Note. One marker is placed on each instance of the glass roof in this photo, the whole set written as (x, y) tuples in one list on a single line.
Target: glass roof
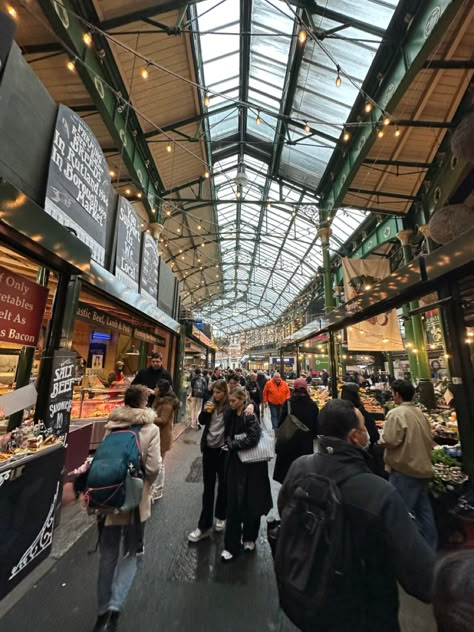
[(269, 253)]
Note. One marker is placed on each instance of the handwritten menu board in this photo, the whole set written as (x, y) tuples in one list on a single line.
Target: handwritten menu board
[(127, 260), (150, 265), (78, 188), (58, 408)]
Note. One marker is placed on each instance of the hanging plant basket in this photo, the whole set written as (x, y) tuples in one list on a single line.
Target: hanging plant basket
[(451, 222), (462, 140)]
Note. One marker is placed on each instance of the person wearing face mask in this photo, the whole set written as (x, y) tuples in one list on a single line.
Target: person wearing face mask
[(386, 547)]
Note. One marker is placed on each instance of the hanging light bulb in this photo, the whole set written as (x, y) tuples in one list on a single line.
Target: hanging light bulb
[(338, 78), (302, 36), (71, 66), (139, 195), (128, 192), (258, 120), (207, 100), (144, 72), (368, 106), (206, 174), (397, 132), (112, 173), (307, 128), (169, 148), (380, 133), (387, 120), (346, 136), (87, 39), (12, 12)]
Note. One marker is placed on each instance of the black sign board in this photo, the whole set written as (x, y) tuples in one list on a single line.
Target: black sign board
[(58, 408), (127, 259), (78, 189), (150, 265), (7, 29), (152, 338), (98, 317)]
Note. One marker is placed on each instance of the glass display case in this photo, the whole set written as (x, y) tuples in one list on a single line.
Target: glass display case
[(96, 403)]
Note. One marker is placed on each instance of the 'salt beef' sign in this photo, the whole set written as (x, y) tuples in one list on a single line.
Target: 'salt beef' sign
[(78, 189), (22, 305), (127, 262), (58, 409)]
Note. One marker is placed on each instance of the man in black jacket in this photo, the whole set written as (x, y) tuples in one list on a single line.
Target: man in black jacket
[(387, 546), (152, 375)]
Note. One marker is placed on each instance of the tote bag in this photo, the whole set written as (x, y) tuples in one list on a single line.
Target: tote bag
[(263, 451), (288, 431)]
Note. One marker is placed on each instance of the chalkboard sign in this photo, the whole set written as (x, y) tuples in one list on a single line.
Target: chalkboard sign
[(58, 408), (150, 265), (78, 189), (127, 260)]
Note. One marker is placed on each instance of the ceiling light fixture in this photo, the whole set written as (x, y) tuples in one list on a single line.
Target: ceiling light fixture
[(346, 136), (206, 174), (12, 12), (112, 173), (387, 120), (241, 178), (338, 78), (71, 66), (169, 148), (207, 100), (87, 39), (368, 107), (397, 132), (380, 133), (307, 128), (302, 36), (144, 72), (258, 120)]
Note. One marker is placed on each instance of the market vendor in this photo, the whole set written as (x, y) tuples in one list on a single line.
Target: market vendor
[(117, 376)]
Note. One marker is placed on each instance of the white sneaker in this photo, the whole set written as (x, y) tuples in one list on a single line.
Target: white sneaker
[(156, 494), (226, 556), (219, 526), (197, 535), (249, 546)]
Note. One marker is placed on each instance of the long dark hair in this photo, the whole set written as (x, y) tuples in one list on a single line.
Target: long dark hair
[(351, 394)]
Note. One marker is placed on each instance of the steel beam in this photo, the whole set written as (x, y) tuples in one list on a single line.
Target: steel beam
[(97, 75), (379, 194), (421, 39), (397, 163), (189, 121), (140, 14), (449, 64), (41, 49)]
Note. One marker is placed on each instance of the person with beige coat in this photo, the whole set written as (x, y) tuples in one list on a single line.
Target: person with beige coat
[(121, 540), (408, 443)]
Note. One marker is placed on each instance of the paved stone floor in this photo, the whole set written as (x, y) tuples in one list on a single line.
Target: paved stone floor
[(180, 587)]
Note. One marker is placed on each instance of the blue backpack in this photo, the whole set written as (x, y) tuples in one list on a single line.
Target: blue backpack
[(115, 478)]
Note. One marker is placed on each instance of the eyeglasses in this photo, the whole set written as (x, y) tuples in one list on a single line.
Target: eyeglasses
[(364, 431)]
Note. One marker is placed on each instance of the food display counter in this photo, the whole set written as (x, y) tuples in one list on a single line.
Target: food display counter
[(93, 405)]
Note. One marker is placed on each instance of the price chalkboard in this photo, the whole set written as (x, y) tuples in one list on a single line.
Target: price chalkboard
[(127, 259), (150, 265), (78, 189), (58, 409)]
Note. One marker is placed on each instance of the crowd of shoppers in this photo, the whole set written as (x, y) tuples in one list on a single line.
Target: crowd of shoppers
[(388, 515)]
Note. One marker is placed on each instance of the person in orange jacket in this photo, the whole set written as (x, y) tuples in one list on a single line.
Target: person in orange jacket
[(275, 394)]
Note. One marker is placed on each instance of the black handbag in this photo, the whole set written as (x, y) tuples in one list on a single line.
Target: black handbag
[(288, 431)]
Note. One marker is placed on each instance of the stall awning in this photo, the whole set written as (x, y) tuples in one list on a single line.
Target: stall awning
[(306, 332), (203, 339)]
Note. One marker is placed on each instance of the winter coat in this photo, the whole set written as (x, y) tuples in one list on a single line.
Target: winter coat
[(262, 380), (150, 377), (254, 392), (248, 484), (276, 394), (165, 408), (124, 417), (304, 409), (385, 540)]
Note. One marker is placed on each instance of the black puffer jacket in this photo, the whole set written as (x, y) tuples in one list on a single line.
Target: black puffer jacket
[(385, 538), (248, 484), (304, 409)]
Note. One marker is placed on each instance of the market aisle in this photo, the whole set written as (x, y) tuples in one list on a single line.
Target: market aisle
[(182, 587)]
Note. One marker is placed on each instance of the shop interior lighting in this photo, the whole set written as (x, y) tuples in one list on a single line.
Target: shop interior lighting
[(144, 72), (87, 39), (338, 78)]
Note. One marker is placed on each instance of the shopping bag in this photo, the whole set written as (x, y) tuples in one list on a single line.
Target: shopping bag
[(263, 451), (287, 432)]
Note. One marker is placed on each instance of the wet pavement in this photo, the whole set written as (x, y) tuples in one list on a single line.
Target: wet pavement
[(180, 586)]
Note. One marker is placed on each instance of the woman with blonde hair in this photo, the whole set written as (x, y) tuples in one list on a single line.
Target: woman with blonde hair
[(247, 484), (213, 462)]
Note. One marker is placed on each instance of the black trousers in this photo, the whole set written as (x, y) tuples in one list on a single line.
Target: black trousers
[(213, 469), (240, 528)]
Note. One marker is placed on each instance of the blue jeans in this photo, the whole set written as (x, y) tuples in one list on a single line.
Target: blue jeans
[(116, 574), (275, 412), (414, 492)]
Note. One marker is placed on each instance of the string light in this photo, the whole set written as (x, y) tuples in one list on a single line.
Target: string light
[(346, 136), (397, 132), (207, 100), (338, 78), (206, 174), (112, 173), (169, 148), (380, 133), (269, 204), (87, 39), (302, 36), (199, 228), (71, 66), (387, 120), (128, 192), (368, 107), (307, 128), (368, 287), (168, 212), (144, 72), (12, 12), (258, 120)]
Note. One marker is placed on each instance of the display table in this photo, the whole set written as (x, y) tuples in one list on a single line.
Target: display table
[(29, 492)]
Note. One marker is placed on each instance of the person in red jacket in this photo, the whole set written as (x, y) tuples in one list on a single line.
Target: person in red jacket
[(275, 394)]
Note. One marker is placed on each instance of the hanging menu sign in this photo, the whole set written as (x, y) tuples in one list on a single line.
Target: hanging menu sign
[(58, 408), (147, 337), (98, 317), (22, 305), (127, 260), (150, 264), (78, 188)]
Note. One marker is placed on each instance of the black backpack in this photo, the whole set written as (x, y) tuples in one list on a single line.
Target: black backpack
[(313, 553)]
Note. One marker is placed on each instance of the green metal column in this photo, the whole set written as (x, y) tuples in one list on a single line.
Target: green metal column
[(391, 367), (325, 234), (26, 358), (143, 357)]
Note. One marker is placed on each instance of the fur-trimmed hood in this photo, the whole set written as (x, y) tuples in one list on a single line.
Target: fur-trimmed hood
[(125, 416)]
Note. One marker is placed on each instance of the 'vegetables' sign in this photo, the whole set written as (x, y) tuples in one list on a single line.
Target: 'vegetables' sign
[(150, 264), (127, 260), (22, 305), (78, 189), (58, 408)]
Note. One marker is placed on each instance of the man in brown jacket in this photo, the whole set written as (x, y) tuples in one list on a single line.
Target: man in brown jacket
[(408, 444)]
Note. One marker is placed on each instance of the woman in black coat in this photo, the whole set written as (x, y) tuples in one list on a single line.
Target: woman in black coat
[(248, 486), (304, 409)]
